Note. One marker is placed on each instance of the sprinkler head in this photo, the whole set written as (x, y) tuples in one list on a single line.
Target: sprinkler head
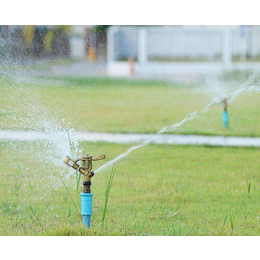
[(85, 169), (225, 118), (225, 103)]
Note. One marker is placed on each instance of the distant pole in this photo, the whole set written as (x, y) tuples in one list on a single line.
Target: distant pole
[(131, 61)]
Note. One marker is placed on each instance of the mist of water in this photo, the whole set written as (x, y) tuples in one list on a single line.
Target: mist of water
[(33, 116), (63, 141)]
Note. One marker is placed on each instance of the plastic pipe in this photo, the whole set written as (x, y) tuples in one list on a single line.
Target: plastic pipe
[(225, 119), (86, 208)]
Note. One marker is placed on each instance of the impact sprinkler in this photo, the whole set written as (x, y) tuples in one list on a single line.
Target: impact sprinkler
[(225, 113), (86, 171)]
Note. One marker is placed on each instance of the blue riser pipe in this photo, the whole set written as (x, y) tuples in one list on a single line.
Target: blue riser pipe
[(86, 208), (225, 119)]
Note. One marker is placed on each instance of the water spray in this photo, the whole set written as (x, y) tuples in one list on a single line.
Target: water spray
[(86, 195), (245, 88), (225, 118)]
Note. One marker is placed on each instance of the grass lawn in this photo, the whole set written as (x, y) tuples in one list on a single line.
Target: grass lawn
[(157, 190), (120, 106)]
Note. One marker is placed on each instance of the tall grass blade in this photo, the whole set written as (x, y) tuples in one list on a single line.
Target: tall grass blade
[(108, 188), (70, 142), (231, 223), (68, 192), (78, 176)]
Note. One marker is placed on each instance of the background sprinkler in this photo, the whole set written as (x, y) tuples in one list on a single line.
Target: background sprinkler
[(86, 195), (225, 113)]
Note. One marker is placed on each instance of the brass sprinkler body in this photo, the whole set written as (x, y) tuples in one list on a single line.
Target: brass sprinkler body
[(85, 169)]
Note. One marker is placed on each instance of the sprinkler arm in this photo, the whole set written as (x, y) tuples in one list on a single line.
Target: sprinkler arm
[(87, 163), (100, 157), (71, 163)]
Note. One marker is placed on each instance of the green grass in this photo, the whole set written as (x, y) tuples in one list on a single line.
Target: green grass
[(157, 190), (108, 105)]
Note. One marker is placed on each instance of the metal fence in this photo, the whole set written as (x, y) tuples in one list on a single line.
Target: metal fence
[(166, 44)]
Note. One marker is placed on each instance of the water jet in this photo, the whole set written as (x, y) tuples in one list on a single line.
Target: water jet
[(86, 170)]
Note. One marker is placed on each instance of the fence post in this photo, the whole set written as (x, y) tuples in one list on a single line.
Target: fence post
[(226, 51), (142, 46)]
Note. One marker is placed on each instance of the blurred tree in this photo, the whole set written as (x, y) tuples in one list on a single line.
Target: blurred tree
[(101, 28), (65, 28), (47, 41), (28, 34), (44, 40)]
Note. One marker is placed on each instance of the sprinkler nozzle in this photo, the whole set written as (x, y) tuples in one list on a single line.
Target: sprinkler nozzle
[(85, 169)]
